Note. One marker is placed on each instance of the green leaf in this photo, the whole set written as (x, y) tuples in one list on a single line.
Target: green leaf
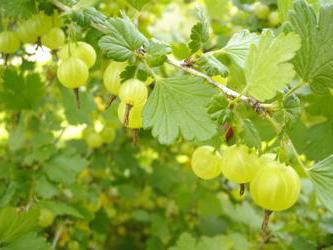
[(14, 225), (238, 46), (176, 107), (266, 67), (45, 189), (212, 66), (21, 92), (218, 109), (28, 241), (250, 134), (199, 32), (314, 61), (63, 168), (18, 8), (284, 6), (60, 208), (156, 53), (138, 4), (321, 174), (122, 39)]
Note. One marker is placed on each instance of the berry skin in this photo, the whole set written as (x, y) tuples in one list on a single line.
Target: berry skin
[(54, 39), (108, 134), (43, 23), (46, 218), (276, 187), (81, 50), (111, 77), (73, 73), (134, 118), (260, 10), (239, 165), (9, 43), (206, 162), (133, 92), (274, 18), (26, 31), (92, 138)]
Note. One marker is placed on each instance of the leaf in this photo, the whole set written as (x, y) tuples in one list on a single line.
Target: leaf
[(122, 39), (238, 46), (200, 32), (73, 114), (212, 66), (218, 109), (63, 168), (156, 53), (314, 61), (250, 134), (321, 174), (176, 107), (28, 241), (266, 67), (13, 224), (284, 6), (60, 208), (17, 8), (45, 189), (138, 4), (21, 92)]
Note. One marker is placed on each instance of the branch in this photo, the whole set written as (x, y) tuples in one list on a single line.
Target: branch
[(258, 107), (60, 6)]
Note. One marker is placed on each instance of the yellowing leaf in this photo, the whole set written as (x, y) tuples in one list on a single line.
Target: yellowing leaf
[(267, 69)]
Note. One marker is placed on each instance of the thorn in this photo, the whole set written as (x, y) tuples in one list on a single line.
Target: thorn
[(264, 226), (242, 189), (111, 99), (77, 97), (135, 133), (126, 115)]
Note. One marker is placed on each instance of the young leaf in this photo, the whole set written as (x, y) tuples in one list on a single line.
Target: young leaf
[(156, 53), (266, 69), (321, 174), (122, 39), (250, 134), (138, 4), (176, 107), (212, 66), (218, 109), (238, 46), (199, 32), (314, 61)]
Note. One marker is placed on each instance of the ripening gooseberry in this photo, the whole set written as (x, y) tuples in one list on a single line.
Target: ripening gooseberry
[(111, 77), (133, 92), (134, 117), (92, 138), (82, 50), (275, 187), (206, 162), (53, 39), (73, 73), (26, 31), (239, 165), (9, 43), (260, 10), (274, 18), (43, 23), (46, 218), (108, 134)]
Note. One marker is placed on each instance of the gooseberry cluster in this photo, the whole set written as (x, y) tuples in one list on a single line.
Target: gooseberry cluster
[(273, 185), (96, 139), (132, 93), (262, 12)]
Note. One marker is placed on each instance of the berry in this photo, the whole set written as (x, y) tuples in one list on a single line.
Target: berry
[(260, 10), (46, 218), (81, 50), (43, 23), (92, 138), (239, 165), (276, 187), (111, 77), (206, 162), (134, 117), (274, 18), (9, 43), (108, 134), (53, 39), (26, 31), (133, 92), (73, 73)]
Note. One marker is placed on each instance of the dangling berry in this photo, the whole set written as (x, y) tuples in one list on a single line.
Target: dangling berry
[(9, 42), (133, 92), (53, 39)]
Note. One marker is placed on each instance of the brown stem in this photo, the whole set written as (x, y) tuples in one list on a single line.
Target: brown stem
[(111, 100), (264, 226), (77, 97), (126, 115), (6, 59), (135, 133), (242, 189)]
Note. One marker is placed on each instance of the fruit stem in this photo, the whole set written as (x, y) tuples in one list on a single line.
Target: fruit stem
[(264, 226), (135, 133), (111, 100), (77, 97), (6, 59), (242, 189), (126, 115)]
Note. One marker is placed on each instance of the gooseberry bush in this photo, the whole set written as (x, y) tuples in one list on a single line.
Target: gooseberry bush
[(145, 124)]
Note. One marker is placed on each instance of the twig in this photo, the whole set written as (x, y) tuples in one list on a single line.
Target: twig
[(61, 6), (229, 93), (57, 236)]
